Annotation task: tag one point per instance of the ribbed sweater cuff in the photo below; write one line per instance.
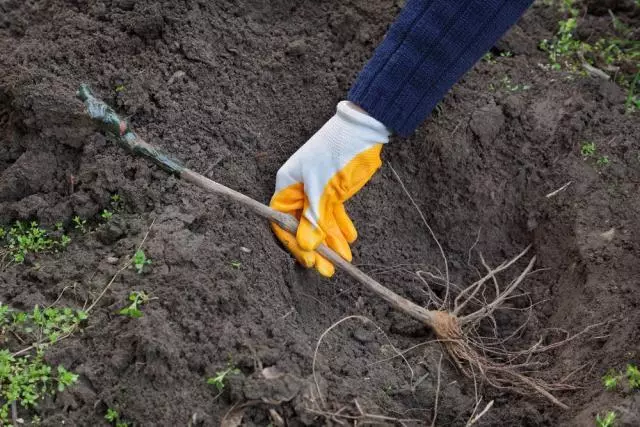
(428, 48)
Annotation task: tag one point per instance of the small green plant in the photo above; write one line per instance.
(114, 418)
(632, 102)
(603, 161)
(65, 240)
(610, 380)
(106, 215)
(140, 260)
(219, 380)
(26, 379)
(608, 420)
(236, 264)
(23, 238)
(137, 299)
(112, 415)
(588, 149)
(80, 223)
(65, 378)
(633, 376)
(489, 58)
(564, 45)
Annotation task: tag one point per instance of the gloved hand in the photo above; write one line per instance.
(323, 174)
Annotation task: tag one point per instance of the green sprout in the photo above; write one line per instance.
(219, 380)
(607, 421)
(603, 161)
(610, 380)
(136, 298)
(633, 375)
(114, 418)
(236, 264)
(140, 260)
(65, 240)
(80, 223)
(588, 149)
(65, 378)
(112, 415)
(489, 58)
(106, 215)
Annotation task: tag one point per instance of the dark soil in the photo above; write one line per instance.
(233, 88)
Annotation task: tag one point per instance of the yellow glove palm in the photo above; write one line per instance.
(323, 174)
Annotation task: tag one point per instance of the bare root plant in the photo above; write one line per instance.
(457, 317)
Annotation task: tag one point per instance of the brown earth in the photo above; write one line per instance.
(233, 88)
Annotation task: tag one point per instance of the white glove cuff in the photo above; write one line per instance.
(368, 127)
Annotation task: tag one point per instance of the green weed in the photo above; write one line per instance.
(607, 421)
(114, 418)
(236, 264)
(489, 58)
(633, 376)
(106, 215)
(563, 47)
(23, 238)
(588, 149)
(610, 380)
(219, 380)
(140, 260)
(603, 161)
(112, 415)
(609, 55)
(26, 379)
(79, 224)
(65, 378)
(137, 299)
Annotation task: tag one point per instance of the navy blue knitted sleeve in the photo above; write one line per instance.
(429, 47)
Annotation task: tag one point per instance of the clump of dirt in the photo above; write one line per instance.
(232, 89)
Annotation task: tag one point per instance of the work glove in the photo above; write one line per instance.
(323, 174)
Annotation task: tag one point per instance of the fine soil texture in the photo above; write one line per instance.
(232, 89)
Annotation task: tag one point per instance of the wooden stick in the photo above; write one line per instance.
(107, 118)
